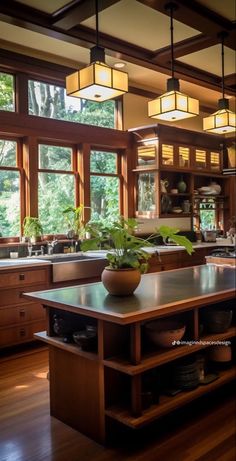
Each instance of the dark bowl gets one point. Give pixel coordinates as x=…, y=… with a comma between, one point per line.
x=218, y=321
x=87, y=340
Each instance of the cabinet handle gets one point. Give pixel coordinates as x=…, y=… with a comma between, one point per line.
x=22, y=313
x=22, y=277
x=22, y=332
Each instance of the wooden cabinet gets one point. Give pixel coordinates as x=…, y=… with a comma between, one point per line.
x=177, y=259
x=89, y=389
x=166, y=156
x=20, y=318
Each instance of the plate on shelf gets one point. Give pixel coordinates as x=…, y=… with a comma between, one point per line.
x=177, y=210
x=207, y=191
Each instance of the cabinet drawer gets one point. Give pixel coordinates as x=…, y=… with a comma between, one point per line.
x=20, y=334
x=15, y=296
x=23, y=277
x=21, y=314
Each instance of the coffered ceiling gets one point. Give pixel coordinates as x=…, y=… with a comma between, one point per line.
x=136, y=32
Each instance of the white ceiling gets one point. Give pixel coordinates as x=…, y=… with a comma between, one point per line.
x=139, y=25
x=209, y=59
x=131, y=21
x=48, y=6
x=226, y=8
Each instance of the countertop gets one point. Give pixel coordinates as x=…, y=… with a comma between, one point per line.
x=157, y=294
x=7, y=263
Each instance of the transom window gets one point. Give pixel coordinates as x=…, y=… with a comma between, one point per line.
x=7, y=92
x=46, y=100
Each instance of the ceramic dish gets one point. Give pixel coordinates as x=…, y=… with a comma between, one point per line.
x=164, y=332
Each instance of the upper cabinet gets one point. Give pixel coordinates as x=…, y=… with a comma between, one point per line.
x=170, y=167
x=164, y=147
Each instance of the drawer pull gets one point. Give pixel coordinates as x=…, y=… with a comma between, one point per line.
x=22, y=313
x=21, y=294
x=22, y=332
x=22, y=277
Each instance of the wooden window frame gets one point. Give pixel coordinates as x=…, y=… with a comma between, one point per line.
x=19, y=168
x=118, y=173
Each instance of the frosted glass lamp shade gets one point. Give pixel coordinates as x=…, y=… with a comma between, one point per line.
x=221, y=122
x=172, y=106
x=97, y=82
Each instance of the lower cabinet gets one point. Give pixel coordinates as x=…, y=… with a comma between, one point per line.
x=19, y=318
x=131, y=376
x=177, y=259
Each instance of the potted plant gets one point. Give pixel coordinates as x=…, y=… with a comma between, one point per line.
x=32, y=228
x=126, y=255
x=74, y=219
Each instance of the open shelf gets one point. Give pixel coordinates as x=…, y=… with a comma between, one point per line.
x=160, y=356
x=174, y=215
x=167, y=404
x=179, y=194
x=58, y=342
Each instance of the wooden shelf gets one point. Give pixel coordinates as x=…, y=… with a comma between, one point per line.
x=198, y=196
x=174, y=215
x=58, y=342
x=158, y=357
x=179, y=194
x=168, y=404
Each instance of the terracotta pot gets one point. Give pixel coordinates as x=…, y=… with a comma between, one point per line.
x=121, y=282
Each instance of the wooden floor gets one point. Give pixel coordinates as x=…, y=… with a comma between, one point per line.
x=203, y=432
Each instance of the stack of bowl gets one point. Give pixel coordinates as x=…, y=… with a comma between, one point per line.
x=186, y=374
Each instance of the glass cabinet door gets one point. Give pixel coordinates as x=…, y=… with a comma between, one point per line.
x=147, y=155
x=215, y=163
x=146, y=194
x=167, y=155
x=200, y=159
x=184, y=157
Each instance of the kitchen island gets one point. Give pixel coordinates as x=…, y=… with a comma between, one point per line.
x=89, y=388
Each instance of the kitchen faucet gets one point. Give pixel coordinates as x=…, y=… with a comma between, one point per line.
x=51, y=246
x=32, y=252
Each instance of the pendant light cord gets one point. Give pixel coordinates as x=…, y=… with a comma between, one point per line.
x=223, y=67
x=172, y=41
x=96, y=15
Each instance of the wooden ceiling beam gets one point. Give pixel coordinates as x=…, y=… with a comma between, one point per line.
x=188, y=46
x=197, y=16
x=230, y=80
x=79, y=12
x=85, y=37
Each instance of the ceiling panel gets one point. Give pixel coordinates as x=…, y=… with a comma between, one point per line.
x=65, y=53
x=226, y=8
x=140, y=25
x=45, y=5
x=209, y=60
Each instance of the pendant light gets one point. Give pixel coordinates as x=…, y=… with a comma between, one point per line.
x=222, y=121
x=173, y=105
x=97, y=82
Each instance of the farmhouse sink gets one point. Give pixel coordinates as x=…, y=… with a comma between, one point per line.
x=75, y=267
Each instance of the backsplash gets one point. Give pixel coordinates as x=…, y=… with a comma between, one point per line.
x=148, y=225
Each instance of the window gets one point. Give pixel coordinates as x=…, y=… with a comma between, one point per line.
x=104, y=186
x=7, y=93
x=9, y=189
x=208, y=214
x=50, y=101
x=56, y=187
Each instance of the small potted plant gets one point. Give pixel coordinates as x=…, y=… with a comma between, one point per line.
x=74, y=219
x=126, y=255
x=32, y=228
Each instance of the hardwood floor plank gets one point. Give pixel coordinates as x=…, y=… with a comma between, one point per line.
x=204, y=431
